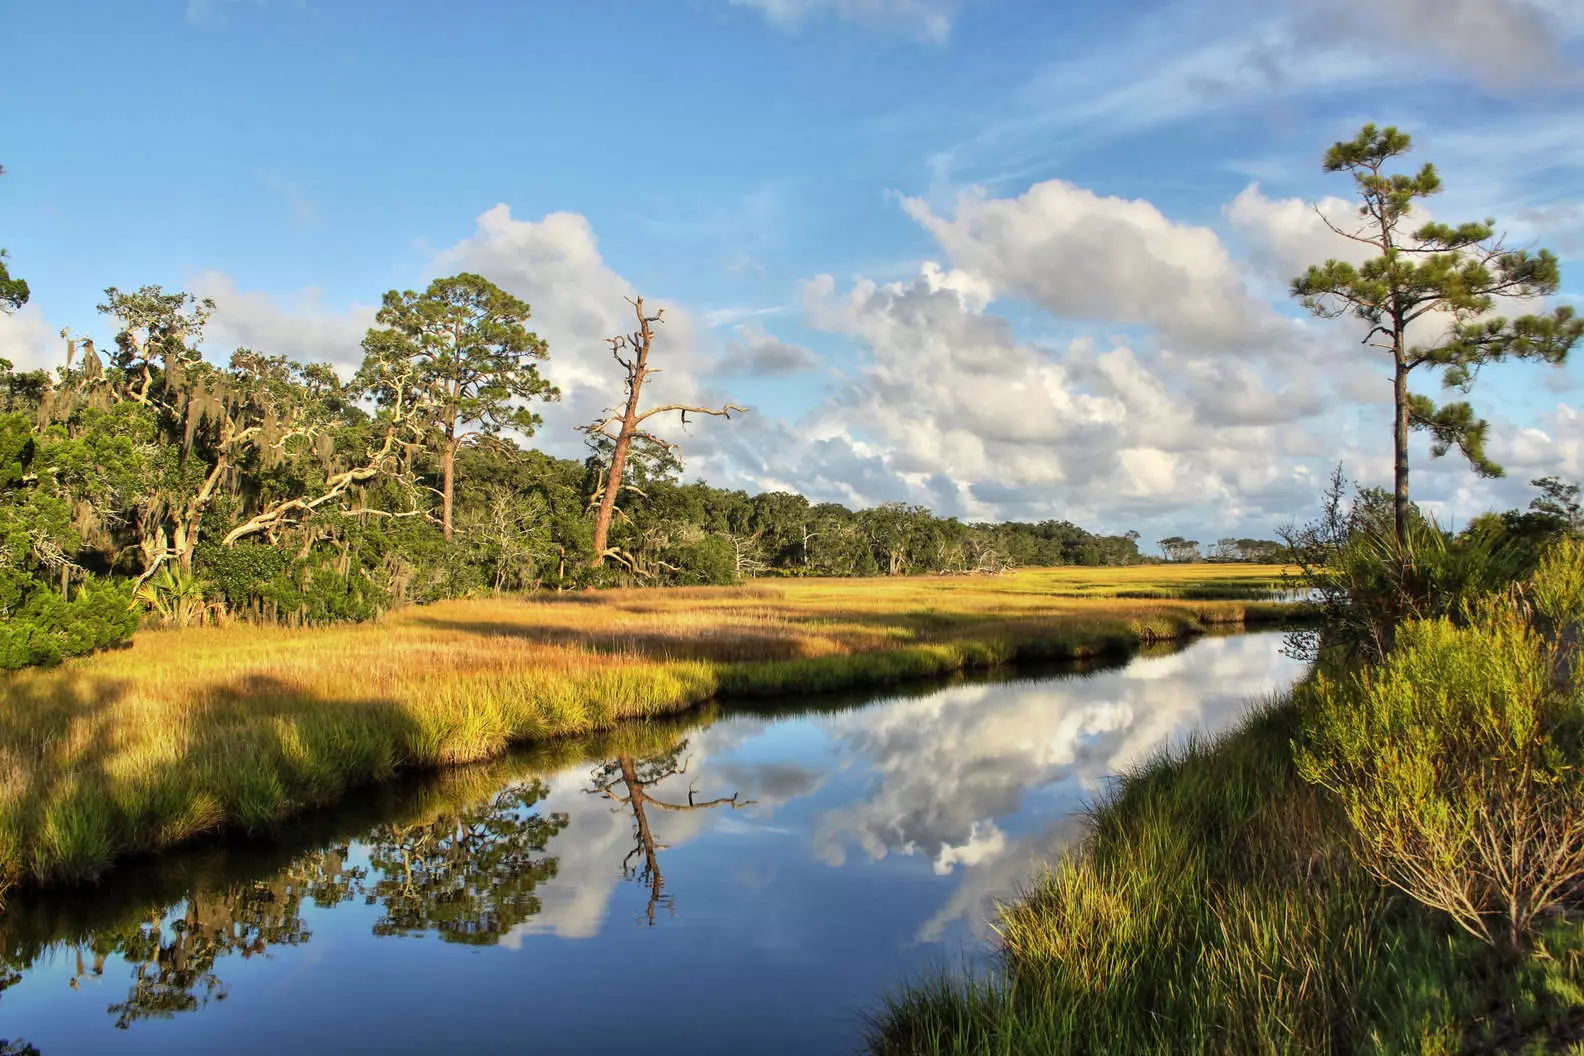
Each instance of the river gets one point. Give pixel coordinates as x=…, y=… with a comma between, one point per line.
x=744, y=881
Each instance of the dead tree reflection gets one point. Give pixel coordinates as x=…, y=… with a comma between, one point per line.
x=635, y=777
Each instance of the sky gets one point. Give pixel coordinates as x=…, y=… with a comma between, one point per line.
x=1008, y=259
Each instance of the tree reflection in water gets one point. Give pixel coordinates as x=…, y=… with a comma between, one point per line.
x=467, y=874
x=637, y=777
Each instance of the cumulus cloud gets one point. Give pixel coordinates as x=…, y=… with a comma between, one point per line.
x=579, y=301
x=756, y=353
x=1084, y=256
x=950, y=408
x=928, y=19
x=301, y=326
x=1555, y=444
x=1561, y=221
x=27, y=341
x=1286, y=235
x=942, y=402
x=952, y=770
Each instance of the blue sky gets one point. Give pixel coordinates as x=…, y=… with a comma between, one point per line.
x=1010, y=259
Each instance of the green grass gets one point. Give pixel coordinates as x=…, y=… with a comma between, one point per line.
x=1216, y=907
x=241, y=727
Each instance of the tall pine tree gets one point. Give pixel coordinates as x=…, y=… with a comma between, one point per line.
x=1427, y=297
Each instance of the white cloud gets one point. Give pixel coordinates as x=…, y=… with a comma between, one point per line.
x=579, y=302
x=1555, y=444
x=28, y=342
x=1084, y=256
x=302, y=326
x=951, y=769
x=980, y=847
x=1505, y=43
x=1286, y=235
x=949, y=408
x=755, y=353
x=943, y=402
x=929, y=19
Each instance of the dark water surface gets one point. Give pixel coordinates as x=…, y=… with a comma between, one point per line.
x=613, y=895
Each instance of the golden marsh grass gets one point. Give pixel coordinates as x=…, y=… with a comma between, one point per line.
x=196, y=730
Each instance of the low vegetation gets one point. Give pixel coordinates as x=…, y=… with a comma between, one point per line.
x=198, y=729
x=1391, y=860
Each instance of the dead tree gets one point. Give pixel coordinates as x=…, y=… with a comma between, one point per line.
x=632, y=352
x=637, y=777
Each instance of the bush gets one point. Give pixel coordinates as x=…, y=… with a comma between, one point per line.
x=49, y=628
x=1459, y=758
x=704, y=561
x=1367, y=583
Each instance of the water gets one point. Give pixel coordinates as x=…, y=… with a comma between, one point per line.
x=579, y=900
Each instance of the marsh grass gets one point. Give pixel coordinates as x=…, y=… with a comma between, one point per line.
x=239, y=727
x=1216, y=906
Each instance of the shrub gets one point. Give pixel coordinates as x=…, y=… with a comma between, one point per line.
x=48, y=628
x=702, y=562
x=1459, y=758
x=1367, y=584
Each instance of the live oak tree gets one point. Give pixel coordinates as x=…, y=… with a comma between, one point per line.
x=632, y=352
x=1427, y=297
x=472, y=360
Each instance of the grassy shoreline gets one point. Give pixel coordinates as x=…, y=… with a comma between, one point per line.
x=238, y=728
x=1216, y=906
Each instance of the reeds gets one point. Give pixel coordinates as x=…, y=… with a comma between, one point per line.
x=1217, y=906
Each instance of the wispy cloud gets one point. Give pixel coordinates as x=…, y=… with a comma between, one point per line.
x=302, y=211
x=929, y=20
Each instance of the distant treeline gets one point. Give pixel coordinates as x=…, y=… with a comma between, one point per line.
x=143, y=481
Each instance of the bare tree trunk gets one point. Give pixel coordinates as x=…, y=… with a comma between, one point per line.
x=448, y=487
x=637, y=344
x=635, y=790
x=1400, y=440
x=607, y=506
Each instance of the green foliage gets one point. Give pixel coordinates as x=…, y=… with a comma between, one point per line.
x=175, y=596
x=47, y=628
x=13, y=290
x=1368, y=583
x=52, y=607
x=469, y=875
x=703, y=561
x=453, y=364
x=13, y=293
x=1437, y=272
x=264, y=489
x=1459, y=759
x=1558, y=505
x=474, y=353
x=1215, y=906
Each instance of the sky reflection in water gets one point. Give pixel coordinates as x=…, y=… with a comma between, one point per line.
x=747, y=885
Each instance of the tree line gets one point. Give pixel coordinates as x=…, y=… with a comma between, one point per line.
x=143, y=479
